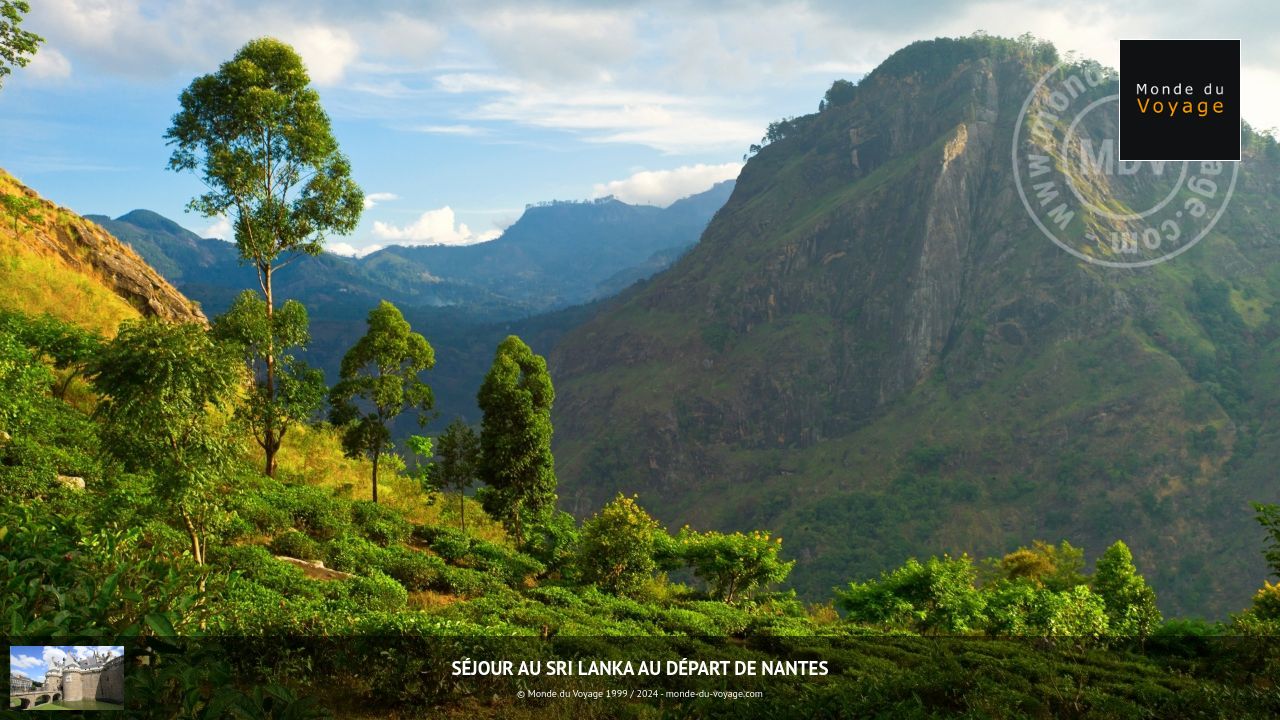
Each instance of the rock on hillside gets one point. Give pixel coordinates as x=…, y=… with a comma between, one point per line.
x=82, y=246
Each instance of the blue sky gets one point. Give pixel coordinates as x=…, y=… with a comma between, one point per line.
x=457, y=115
x=35, y=660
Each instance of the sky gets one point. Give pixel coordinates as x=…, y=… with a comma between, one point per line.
x=35, y=660
x=455, y=115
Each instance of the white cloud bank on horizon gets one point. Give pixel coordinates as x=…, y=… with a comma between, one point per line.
x=663, y=187
x=433, y=227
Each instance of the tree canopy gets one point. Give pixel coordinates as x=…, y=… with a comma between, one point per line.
x=16, y=45
x=379, y=380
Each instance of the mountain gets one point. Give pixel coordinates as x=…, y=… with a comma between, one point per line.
x=605, y=242
x=875, y=351
x=465, y=300
x=59, y=263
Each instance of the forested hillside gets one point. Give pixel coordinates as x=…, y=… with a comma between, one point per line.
x=875, y=352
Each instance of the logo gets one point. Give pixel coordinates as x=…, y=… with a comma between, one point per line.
x=1097, y=207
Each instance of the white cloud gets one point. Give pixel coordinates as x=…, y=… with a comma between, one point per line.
x=49, y=64
x=663, y=187
x=349, y=250
x=559, y=44
x=24, y=662
x=372, y=199
x=326, y=51
x=54, y=654
x=434, y=227
x=468, y=130
x=221, y=229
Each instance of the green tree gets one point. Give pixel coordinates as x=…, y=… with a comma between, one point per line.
x=162, y=386
x=1130, y=602
x=70, y=347
x=841, y=92
x=937, y=595
x=515, y=436
x=616, y=547
x=1269, y=519
x=1059, y=567
x=458, y=450
x=262, y=143
x=20, y=209
x=299, y=390
x=733, y=564
x=16, y=45
x=379, y=380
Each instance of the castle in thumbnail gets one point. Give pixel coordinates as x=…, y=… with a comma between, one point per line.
x=97, y=677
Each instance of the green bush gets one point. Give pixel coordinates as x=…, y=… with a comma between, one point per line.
x=255, y=563
x=415, y=570
x=315, y=511
x=378, y=591
x=297, y=545
x=380, y=523
x=352, y=553
x=464, y=581
x=264, y=513
x=513, y=566
x=448, y=543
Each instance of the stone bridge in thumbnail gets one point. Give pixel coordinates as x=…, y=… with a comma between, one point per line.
x=31, y=698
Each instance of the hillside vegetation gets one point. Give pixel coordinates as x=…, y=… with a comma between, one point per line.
x=873, y=351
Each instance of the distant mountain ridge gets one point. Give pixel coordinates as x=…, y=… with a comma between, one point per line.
x=555, y=256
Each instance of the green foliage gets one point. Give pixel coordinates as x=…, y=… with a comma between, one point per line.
x=733, y=565
x=263, y=146
x=841, y=92
x=297, y=545
x=1130, y=602
x=292, y=392
x=617, y=547
x=19, y=208
x=415, y=570
x=1057, y=568
x=378, y=591
x=59, y=577
x=70, y=348
x=158, y=384
x=382, y=525
x=1269, y=519
x=515, y=437
x=16, y=45
x=22, y=381
x=354, y=554
x=378, y=381
x=553, y=541
x=458, y=449
x=1266, y=602
x=313, y=510
x=935, y=596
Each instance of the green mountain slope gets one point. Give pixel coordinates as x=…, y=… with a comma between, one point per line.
x=874, y=351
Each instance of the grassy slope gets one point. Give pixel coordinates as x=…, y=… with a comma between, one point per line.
x=37, y=283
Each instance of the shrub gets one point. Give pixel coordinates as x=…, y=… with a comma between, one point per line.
x=379, y=523
x=255, y=563
x=734, y=564
x=352, y=553
x=616, y=549
x=464, y=581
x=316, y=511
x=513, y=566
x=414, y=570
x=448, y=543
x=262, y=512
x=296, y=545
x=378, y=591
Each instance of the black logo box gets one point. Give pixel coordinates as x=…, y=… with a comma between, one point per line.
x=1185, y=65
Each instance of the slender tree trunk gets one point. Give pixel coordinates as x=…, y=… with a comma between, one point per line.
x=270, y=443
x=376, y=453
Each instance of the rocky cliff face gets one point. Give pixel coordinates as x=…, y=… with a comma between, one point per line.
x=875, y=351
x=83, y=247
